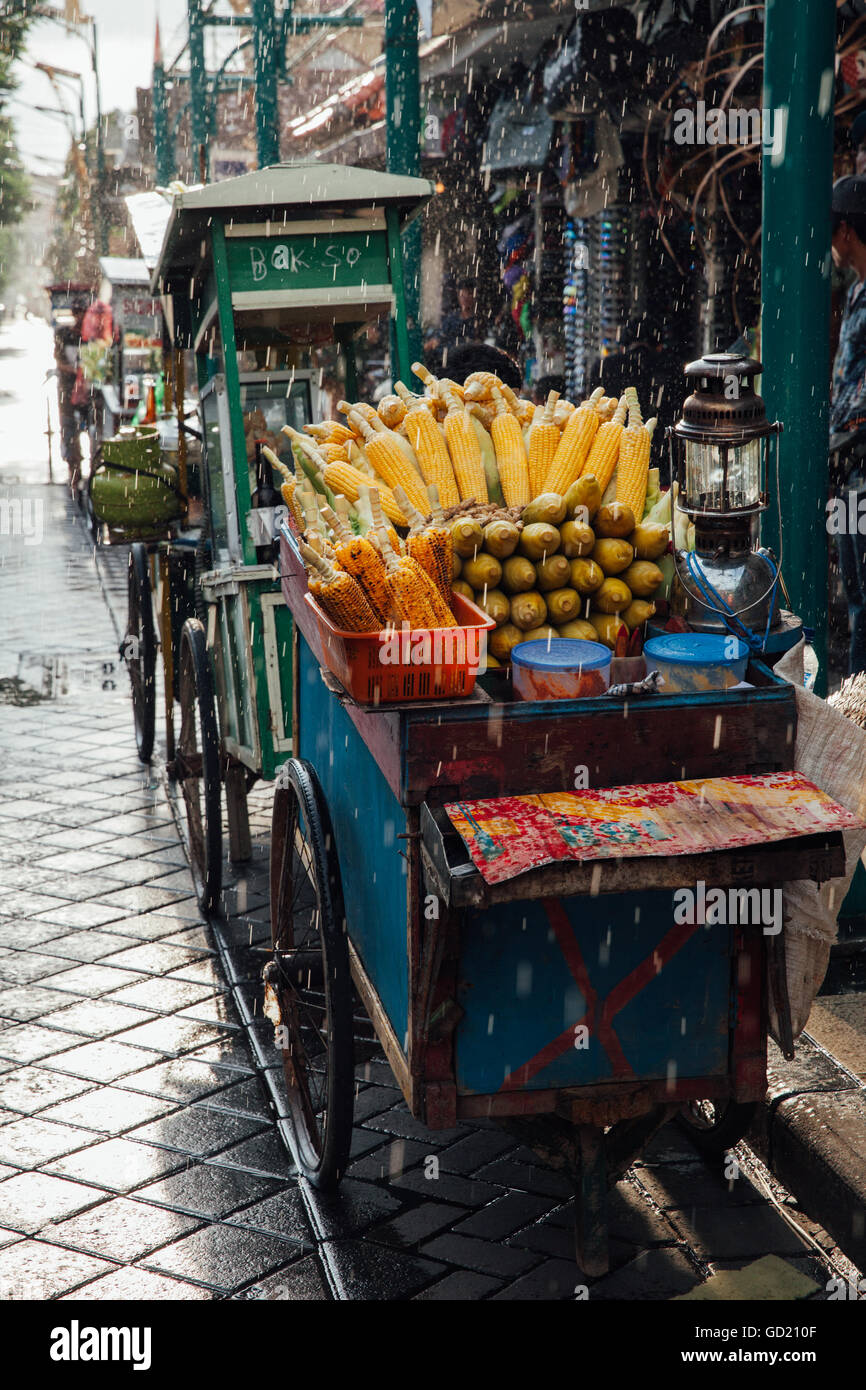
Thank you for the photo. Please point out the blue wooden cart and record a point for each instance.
(477, 993)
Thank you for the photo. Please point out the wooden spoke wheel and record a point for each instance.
(138, 649)
(197, 766)
(716, 1126)
(308, 979)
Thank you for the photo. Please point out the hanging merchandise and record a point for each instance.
(598, 67)
(519, 134)
(595, 189)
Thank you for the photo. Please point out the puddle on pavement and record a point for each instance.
(50, 676)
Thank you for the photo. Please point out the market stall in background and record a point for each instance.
(134, 361)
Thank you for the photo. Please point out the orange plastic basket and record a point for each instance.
(416, 664)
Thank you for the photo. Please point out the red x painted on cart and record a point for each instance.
(599, 1014)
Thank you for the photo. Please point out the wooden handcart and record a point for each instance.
(476, 992)
(258, 275)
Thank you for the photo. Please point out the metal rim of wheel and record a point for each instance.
(311, 976)
(139, 651)
(197, 766)
(716, 1126)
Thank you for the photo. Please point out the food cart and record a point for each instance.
(136, 350)
(564, 1003)
(266, 278)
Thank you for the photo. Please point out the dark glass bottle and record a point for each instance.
(265, 495)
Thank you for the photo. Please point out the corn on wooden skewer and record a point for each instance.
(358, 557)
(604, 452)
(409, 594)
(431, 545)
(543, 441)
(574, 445)
(339, 594)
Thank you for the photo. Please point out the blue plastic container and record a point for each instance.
(561, 668)
(694, 663)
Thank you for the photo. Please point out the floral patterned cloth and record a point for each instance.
(508, 835)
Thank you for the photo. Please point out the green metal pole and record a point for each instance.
(100, 146)
(198, 92)
(265, 51)
(403, 133)
(162, 146)
(799, 48)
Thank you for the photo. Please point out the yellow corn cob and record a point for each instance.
(511, 459)
(340, 595)
(573, 447)
(410, 400)
(633, 468)
(389, 460)
(426, 439)
(604, 453)
(333, 453)
(391, 411)
(465, 451)
(409, 594)
(431, 544)
(329, 432)
(478, 386)
(343, 477)
(435, 385)
(525, 412)
(564, 410)
(365, 411)
(543, 439)
(360, 558)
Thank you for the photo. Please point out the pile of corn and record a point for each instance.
(539, 508)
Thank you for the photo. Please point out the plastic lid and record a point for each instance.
(697, 648)
(560, 654)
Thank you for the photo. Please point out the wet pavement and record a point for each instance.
(140, 1090)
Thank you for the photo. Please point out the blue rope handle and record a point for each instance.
(733, 623)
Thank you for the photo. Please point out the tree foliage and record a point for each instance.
(13, 180)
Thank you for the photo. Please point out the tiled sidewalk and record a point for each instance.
(140, 1156)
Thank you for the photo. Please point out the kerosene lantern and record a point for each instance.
(720, 455)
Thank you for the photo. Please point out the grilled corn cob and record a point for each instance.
(410, 596)
(339, 594)
(431, 545)
(360, 558)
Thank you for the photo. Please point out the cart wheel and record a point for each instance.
(197, 766)
(139, 650)
(310, 976)
(716, 1126)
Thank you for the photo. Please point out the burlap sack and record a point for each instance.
(831, 751)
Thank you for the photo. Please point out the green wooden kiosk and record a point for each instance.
(268, 278)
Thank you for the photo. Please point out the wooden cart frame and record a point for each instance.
(433, 950)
